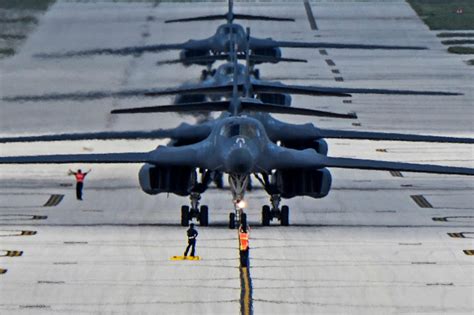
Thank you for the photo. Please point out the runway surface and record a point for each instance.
(379, 243)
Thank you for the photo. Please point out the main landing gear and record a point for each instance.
(201, 213)
(269, 213)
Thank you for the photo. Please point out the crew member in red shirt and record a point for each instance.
(80, 176)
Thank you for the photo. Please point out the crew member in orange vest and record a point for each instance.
(80, 176)
(244, 245)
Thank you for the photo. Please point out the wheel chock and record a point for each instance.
(185, 258)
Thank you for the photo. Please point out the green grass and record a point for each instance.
(12, 36)
(5, 52)
(441, 14)
(458, 42)
(461, 50)
(455, 34)
(26, 4)
(24, 19)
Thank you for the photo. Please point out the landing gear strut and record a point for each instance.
(268, 213)
(238, 185)
(201, 213)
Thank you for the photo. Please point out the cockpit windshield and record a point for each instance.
(242, 129)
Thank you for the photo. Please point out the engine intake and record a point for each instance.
(172, 179)
(303, 182)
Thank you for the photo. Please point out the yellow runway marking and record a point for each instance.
(54, 200)
(11, 253)
(174, 258)
(456, 235)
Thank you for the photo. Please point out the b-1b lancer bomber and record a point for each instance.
(239, 146)
(219, 43)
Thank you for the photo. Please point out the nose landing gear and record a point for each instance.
(238, 185)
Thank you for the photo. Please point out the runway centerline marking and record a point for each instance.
(246, 307)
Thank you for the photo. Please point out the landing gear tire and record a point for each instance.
(204, 216)
(231, 220)
(184, 215)
(243, 219)
(266, 215)
(285, 216)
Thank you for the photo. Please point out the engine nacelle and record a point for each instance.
(171, 179)
(191, 53)
(303, 182)
(275, 98)
(269, 52)
(320, 145)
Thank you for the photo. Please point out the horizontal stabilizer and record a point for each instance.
(133, 157)
(225, 106)
(385, 136)
(394, 166)
(125, 51)
(337, 91)
(180, 108)
(343, 46)
(279, 109)
(231, 17)
(108, 135)
(213, 58)
(93, 95)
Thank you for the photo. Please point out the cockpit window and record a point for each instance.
(235, 129)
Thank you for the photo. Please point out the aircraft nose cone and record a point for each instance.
(239, 161)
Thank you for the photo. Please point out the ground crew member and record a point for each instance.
(80, 176)
(192, 234)
(244, 245)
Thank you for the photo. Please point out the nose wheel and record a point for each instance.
(275, 212)
(237, 220)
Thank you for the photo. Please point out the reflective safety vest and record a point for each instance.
(80, 177)
(244, 240)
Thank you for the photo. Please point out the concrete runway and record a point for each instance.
(370, 247)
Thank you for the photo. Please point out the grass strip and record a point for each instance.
(461, 50)
(445, 15)
(12, 36)
(5, 52)
(24, 19)
(458, 42)
(455, 34)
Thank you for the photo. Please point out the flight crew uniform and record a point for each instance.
(192, 234)
(79, 183)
